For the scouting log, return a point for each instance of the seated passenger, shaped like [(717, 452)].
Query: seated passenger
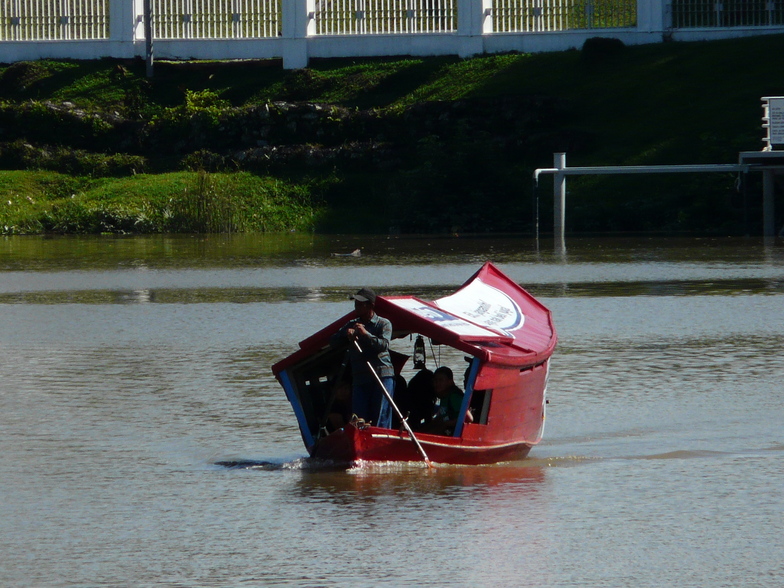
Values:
[(450, 399), (401, 399), (339, 411), (420, 396)]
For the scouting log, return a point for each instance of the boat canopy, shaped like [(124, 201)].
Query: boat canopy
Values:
[(490, 317)]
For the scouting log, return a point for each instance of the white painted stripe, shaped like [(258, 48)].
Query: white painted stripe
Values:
[(453, 446)]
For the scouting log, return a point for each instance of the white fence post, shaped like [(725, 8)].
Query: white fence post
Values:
[(474, 19), (298, 24), (119, 20), (124, 27), (666, 9), (650, 15)]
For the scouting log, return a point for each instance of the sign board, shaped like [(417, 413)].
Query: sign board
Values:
[(446, 320), (482, 304), (775, 120)]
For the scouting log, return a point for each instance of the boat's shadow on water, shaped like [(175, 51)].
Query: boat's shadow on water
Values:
[(299, 464), (249, 464)]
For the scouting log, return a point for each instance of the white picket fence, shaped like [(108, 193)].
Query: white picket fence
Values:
[(36, 20), (557, 15), (297, 30), (727, 13), (368, 17), (216, 19)]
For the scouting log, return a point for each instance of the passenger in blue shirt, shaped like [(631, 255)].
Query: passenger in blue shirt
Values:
[(373, 333)]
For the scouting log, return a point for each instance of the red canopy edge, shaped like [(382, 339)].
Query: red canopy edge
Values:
[(490, 317)]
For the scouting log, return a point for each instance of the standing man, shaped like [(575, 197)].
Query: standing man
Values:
[(373, 333)]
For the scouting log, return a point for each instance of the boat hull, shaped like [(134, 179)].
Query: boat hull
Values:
[(371, 444)]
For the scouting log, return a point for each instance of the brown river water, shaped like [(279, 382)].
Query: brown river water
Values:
[(132, 366)]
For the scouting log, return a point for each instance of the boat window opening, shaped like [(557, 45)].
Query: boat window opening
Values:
[(315, 383), (415, 399), (480, 405)]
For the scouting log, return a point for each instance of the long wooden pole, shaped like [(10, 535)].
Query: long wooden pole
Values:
[(397, 410)]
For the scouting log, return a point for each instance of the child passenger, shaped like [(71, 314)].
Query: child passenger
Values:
[(450, 397)]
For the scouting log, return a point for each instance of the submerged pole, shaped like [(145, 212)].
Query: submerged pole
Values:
[(768, 209), (559, 201)]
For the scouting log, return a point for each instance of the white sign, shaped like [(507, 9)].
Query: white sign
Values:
[(444, 319), (776, 120), (481, 303)]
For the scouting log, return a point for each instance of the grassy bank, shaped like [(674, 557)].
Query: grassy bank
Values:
[(192, 202), (425, 144)]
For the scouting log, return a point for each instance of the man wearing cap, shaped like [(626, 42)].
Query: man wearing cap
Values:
[(373, 333)]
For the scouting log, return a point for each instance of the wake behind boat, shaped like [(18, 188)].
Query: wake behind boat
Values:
[(506, 336)]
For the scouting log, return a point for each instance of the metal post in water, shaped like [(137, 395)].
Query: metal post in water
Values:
[(535, 210), (559, 202), (768, 210)]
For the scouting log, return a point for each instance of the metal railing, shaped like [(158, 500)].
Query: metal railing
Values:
[(511, 16), (216, 19), (368, 17), (726, 13), (42, 20)]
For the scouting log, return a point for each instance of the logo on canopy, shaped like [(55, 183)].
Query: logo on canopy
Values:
[(485, 305)]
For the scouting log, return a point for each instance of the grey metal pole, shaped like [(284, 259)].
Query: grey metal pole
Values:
[(148, 37), (768, 211), (559, 201)]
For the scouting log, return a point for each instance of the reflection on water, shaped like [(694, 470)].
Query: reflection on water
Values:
[(293, 251), (205, 295), (301, 268), (416, 481), (131, 372)]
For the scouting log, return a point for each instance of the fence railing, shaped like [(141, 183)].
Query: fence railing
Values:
[(298, 30), (727, 13), (216, 19), (32, 20), (41, 20), (367, 17), (559, 15)]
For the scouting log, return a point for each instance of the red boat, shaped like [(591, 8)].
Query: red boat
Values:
[(505, 335)]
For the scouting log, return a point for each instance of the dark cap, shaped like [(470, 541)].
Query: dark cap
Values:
[(365, 295)]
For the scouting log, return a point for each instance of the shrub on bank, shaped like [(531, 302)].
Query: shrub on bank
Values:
[(59, 124), (78, 162)]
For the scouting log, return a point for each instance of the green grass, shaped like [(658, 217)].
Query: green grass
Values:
[(191, 202)]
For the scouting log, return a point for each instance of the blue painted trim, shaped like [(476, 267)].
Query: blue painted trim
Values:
[(297, 406), (469, 391)]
